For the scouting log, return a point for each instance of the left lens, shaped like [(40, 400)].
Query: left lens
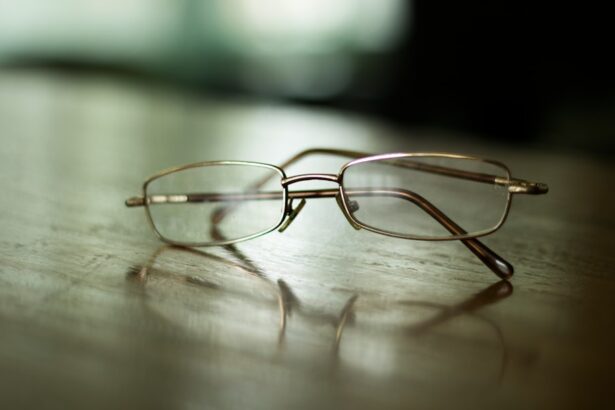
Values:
[(214, 203)]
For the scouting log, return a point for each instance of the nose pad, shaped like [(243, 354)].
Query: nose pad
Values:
[(353, 206), (292, 215)]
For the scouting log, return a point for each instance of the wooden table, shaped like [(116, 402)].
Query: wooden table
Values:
[(95, 314)]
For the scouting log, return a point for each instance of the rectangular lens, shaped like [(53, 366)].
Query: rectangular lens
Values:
[(427, 196), (215, 203)]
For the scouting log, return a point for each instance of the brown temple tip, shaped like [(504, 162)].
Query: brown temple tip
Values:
[(502, 268), (498, 265)]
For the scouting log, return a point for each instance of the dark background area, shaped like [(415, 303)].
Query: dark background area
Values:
[(506, 71)]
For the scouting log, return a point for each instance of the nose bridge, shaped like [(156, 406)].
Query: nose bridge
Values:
[(310, 177)]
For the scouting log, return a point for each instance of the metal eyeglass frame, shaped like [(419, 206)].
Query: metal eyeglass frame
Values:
[(496, 263)]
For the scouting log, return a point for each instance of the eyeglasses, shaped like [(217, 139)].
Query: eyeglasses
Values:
[(421, 196)]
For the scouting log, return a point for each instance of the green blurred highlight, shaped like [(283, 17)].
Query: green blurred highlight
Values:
[(303, 48)]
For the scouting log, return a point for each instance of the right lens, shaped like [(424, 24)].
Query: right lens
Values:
[(216, 203), (427, 196)]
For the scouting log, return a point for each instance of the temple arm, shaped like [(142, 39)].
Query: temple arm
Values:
[(492, 260)]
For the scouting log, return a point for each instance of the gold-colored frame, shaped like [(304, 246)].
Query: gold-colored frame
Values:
[(172, 170), (496, 263)]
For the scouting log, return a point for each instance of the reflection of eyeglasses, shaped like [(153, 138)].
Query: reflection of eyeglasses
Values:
[(370, 321), (422, 196)]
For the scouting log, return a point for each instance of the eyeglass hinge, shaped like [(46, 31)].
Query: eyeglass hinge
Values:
[(520, 186), (135, 201)]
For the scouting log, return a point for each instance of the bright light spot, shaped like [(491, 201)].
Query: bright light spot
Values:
[(307, 48), (281, 26)]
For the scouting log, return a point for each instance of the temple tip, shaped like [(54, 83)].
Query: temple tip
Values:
[(502, 268), (498, 265)]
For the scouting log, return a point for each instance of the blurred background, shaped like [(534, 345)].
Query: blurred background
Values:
[(96, 95), (505, 71)]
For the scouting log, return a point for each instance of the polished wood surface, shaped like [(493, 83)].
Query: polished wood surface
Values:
[(95, 313)]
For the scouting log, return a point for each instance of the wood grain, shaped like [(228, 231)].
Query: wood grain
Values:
[(95, 314)]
